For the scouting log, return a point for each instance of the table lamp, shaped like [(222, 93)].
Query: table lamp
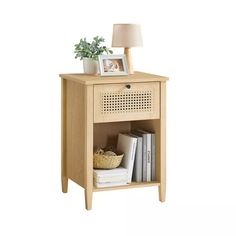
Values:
[(127, 36)]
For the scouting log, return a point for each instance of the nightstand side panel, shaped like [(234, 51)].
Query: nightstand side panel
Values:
[(75, 131)]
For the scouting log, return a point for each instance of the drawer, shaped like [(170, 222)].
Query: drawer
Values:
[(126, 101)]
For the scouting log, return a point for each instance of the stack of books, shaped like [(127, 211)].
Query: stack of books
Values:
[(109, 178), (139, 148), (145, 157), (138, 163)]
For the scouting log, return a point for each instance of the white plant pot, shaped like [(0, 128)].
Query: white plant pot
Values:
[(90, 66)]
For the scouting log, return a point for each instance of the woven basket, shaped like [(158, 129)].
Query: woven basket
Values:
[(101, 161)]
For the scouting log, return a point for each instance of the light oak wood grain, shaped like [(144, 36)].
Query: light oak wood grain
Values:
[(81, 134), (106, 134), (162, 143), (75, 131), (127, 52), (137, 77), (129, 186), (64, 178), (88, 147)]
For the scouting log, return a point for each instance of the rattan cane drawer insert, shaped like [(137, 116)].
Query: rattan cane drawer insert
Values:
[(123, 102)]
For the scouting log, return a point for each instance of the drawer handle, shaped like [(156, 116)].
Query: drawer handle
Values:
[(128, 86)]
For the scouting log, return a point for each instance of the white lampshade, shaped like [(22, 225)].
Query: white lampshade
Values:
[(127, 35)]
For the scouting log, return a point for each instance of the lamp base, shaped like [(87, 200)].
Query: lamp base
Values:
[(127, 52)]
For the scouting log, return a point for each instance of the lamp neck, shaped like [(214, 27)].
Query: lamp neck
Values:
[(127, 52)]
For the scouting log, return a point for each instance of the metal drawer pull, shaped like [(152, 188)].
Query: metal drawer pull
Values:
[(128, 86)]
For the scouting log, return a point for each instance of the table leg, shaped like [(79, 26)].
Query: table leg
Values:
[(64, 179), (162, 151), (88, 146)]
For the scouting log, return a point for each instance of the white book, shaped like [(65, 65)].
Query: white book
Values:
[(127, 145), (115, 178), (138, 161), (111, 172), (112, 177), (109, 184)]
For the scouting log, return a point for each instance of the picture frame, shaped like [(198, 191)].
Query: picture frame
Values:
[(113, 65)]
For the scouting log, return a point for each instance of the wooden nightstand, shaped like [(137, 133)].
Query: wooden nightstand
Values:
[(95, 109)]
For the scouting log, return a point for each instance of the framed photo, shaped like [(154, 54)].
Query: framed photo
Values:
[(113, 65)]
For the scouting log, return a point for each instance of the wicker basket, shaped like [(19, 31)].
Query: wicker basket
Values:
[(103, 161)]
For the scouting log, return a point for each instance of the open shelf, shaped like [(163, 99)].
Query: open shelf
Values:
[(132, 185), (106, 135)]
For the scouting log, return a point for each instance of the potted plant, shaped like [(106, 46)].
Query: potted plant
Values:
[(89, 52)]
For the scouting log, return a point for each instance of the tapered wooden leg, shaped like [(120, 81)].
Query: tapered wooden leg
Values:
[(88, 175), (88, 199), (64, 179), (162, 192), (64, 184), (162, 149)]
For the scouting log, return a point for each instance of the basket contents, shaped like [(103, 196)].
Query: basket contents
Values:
[(106, 159)]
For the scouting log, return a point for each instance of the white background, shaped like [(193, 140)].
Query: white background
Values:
[(192, 42)]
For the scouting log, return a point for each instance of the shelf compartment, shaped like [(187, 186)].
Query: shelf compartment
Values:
[(106, 135), (132, 185)]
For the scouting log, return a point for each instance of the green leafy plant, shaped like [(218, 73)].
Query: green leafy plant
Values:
[(92, 50)]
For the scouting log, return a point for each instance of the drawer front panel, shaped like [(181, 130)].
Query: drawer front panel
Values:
[(122, 102)]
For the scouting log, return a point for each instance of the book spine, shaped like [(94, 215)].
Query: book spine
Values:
[(144, 157), (140, 160), (137, 175), (153, 161), (131, 166), (149, 157)]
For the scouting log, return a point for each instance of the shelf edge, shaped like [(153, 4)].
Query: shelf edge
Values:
[(132, 185)]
